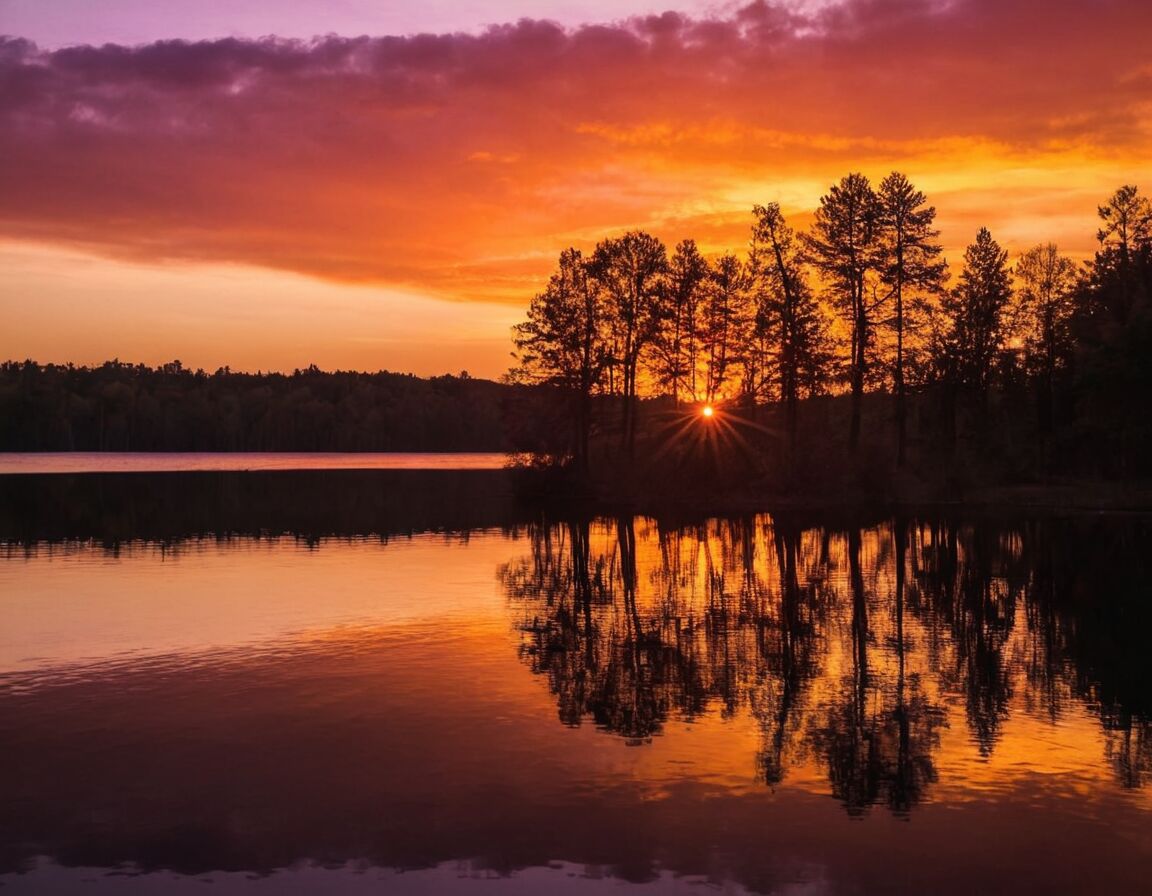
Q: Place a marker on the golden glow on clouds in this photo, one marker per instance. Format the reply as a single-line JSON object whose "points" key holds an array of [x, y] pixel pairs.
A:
{"points": [[457, 166]]}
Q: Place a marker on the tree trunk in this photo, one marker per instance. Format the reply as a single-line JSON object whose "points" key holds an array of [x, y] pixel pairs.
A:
{"points": [[901, 408], [859, 341]]}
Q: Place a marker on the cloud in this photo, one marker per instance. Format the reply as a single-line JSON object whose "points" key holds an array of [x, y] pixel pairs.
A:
{"points": [[458, 163]]}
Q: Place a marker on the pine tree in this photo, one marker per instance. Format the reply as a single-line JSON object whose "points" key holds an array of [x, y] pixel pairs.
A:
{"points": [[842, 247], [1113, 330], [974, 320], [1120, 266], [908, 258]]}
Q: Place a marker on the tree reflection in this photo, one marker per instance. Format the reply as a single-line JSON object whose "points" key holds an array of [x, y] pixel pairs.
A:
{"points": [[788, 650], [914, 717], [970, 597], [604, 659], [848, 738], [1090, 587], [842, 646]]}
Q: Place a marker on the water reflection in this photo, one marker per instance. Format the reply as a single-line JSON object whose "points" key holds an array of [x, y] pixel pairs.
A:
{"points": [[855, 646], [795, 705], [117, 508]]}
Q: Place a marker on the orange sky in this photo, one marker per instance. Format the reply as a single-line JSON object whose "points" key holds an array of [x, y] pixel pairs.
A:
{"points": [[395, 202]]}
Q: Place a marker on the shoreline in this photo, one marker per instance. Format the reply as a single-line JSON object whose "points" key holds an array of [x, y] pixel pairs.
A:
{"points": [[1134, 496], [1081, 496]]}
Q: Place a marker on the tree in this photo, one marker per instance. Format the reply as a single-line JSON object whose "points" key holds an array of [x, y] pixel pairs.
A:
{"points": [[841, 246], [1113, 330], [787, 315], [1044, 307], [632, 272], [974, 325], [1120, 269], [723, 320], [1126, 222], [908, 258], [676, 363], [561, 343]]}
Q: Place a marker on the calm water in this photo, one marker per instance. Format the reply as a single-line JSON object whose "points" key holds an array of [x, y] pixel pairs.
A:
{"points": [[387, 693], [129, 462]]}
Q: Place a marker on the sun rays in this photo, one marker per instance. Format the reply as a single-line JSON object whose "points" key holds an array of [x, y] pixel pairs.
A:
{"points": [[708, 431]]}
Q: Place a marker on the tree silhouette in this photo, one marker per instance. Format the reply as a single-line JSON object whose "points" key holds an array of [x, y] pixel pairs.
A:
{"points": [[842, 246], [787, 315], [1045, 308], [1126, 226], [974, 313], [909, 261], [117, 406], [724, 318], [677, 360], [970, 327], [562, 343], [632, 272], [1113, 330]]}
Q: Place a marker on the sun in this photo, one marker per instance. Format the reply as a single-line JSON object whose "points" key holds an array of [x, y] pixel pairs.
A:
{"points": [[708, 410]]}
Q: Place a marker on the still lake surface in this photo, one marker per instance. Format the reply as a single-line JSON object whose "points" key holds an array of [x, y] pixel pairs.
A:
{"points": [[403, 682], [178, 462]]}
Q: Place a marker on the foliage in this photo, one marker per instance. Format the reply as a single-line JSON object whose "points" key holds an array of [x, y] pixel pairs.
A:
{"points": [[909, 264], [792, 345], [1112, 331], [631, 271], [843, 247], [1049, 365], [973, 324], [562, 342], [675, 359]]}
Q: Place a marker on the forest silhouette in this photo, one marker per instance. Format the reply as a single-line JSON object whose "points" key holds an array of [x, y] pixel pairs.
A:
{"points": [[850, 351], [846, 360]]}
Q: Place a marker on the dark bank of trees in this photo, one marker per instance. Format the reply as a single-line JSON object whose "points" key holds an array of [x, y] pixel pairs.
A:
{"points": [[125, 407], [1006, 367]]}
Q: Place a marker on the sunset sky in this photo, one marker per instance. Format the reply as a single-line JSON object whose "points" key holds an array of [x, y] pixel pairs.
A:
{"points": [[211, 181]]}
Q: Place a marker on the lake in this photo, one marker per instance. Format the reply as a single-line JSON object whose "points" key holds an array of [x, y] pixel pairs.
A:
{"points": [[400, 681], [176, 461]]}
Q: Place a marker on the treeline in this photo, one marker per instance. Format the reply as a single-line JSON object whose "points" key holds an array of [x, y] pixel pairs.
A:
{"points": [[126, 407], [1036, 355]]}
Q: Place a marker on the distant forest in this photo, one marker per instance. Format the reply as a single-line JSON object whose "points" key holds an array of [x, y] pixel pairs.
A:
{"points": [[854, 345], [126, 407]]}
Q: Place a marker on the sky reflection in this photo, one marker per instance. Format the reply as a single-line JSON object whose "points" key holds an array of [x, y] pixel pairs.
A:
{"points": [[674, 701]]}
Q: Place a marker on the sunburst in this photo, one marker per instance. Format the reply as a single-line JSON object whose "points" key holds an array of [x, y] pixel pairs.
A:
{"points": [[707, 425]]}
